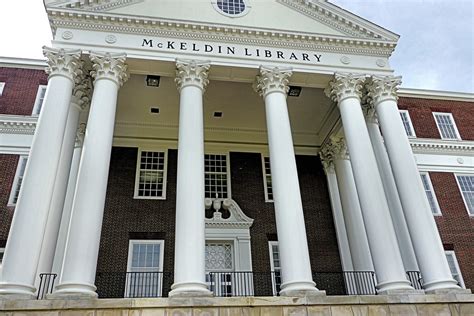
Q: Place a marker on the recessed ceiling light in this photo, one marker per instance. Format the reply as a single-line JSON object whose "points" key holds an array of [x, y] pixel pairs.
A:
{"points": [[218, 114], [294, 91], [154, 110], [152, 81]]}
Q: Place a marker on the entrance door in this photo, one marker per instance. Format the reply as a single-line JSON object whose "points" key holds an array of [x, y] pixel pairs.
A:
{"points": [[220, 267]]}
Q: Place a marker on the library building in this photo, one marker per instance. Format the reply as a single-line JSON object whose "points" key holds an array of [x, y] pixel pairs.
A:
{"points": [[229, 157]]}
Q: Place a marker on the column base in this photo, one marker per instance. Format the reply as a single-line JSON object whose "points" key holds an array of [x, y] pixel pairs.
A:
{"points": [[74, 291], [300, 289], [395, 287], [441, 286], [190, 289], [17, 291]]}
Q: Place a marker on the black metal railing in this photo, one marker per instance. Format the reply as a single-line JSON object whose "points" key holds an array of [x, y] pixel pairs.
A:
{"points": [[46, 285], [360, 282], [415, 279], [133, 284]]}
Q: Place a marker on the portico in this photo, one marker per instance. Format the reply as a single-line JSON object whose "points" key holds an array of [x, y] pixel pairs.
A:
{"points": [[386, 218]]}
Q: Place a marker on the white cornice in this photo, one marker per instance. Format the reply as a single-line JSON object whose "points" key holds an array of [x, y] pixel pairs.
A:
{"points": [[14, 62], [439, 146], [17, 124], [436, 94]]}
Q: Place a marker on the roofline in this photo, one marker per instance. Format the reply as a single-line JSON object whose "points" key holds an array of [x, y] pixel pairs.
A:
{"points": [[436, 94], [28, 63]]}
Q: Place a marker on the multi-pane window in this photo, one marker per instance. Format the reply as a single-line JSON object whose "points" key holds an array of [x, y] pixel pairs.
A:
{"points": [[20, 171], [216, 176], [39, 100], [145, 268], [430, 194], [405, 116], [267, 179], [446, 126], [466, 185], [2, 86], [231, 7], [454, 267], [275, 266], [151, 175]]}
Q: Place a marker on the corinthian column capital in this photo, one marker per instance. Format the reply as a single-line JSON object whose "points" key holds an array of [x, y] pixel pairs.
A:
{"points": [[109, 66], [272, 80], [335, 148], [368, 109], [345, 85], [81, 93], [192, 72], [381, 88], [61, 62]]}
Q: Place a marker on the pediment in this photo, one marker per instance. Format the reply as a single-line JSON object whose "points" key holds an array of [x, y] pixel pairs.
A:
{"points": [[310, 17]]}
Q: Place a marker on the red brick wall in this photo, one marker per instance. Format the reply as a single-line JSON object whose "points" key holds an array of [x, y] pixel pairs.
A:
{"points": [[21, 86], [455, 225], [421, 113], [8, 165]]}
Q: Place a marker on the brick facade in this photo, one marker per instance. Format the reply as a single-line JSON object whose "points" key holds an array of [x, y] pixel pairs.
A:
{"points": [[21, 86], [8, 164]]}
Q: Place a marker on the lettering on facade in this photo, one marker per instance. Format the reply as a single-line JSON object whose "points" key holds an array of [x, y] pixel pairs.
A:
{"points": [[225, 50]]}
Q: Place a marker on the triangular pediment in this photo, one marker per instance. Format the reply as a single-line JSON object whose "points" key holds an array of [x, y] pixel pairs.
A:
{"points": [[317, 17]]}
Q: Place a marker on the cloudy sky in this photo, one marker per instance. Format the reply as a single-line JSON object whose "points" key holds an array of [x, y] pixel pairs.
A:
{"points": [[435, 51]]}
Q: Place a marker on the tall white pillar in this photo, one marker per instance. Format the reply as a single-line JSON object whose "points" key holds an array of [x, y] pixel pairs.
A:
{"points": [[31, 212], [358, 243], [189, 266], [391, 191], [419, 218], [80, 259], [67, 209], [346, 90], [80, 98], [272, 84], [334, 196]]}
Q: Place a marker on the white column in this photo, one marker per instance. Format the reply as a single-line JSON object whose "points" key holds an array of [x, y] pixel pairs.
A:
{"points": [[80, 259], [79, 100], [334, 196], [67, 209], [31, 212], [346, 90], [358, 243], [272, 84], [189, 264], [391, 191], [424, 233]]}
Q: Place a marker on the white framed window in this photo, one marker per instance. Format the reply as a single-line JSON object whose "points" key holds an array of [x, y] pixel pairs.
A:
{"points": [[466, 186], [430, 193], [144, 268], [16, 186], [2, 86], [454, 267], [267, 179], [446, 126], [150, 180], [217, 176], [406, 120], [275, 266], [39, 100]]}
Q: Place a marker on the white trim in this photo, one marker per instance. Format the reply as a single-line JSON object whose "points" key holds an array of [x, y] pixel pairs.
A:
{"points": [[21, 160], [456, 175], [412, 129], [227, 155], [436, 212], [37, 103], [264, 173], [456, 265], [137, 174], [272, 243], [437, 114], [2, 87], [28, 63], [436, 94]]}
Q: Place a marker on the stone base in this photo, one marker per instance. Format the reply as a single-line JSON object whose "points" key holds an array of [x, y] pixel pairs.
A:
{"points": [[401, 292], [303, 293], [16, 297], [449, 291]]}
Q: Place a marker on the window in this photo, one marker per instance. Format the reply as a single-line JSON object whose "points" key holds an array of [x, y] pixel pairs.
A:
{"points": [[405, 116], [231, 8], [20, 171], [466, 185], [216, 175], [150, 182], [446, 126], [430, 194], [2, 86], [39, 100], [275, 266], [219, 267], [144, 268], [454, 267], [267, 179]]}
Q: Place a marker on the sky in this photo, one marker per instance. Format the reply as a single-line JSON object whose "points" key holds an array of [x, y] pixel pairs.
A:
{"points": [[435, 50]]}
